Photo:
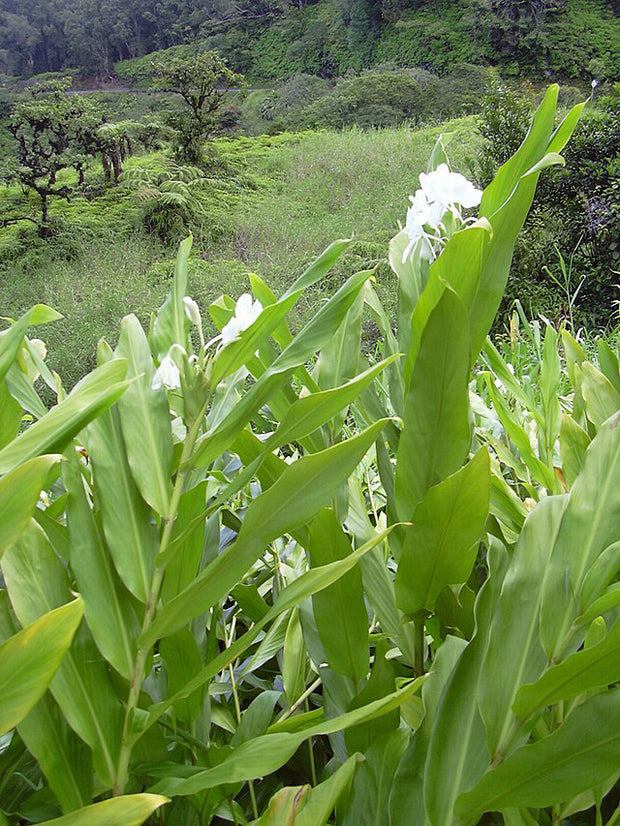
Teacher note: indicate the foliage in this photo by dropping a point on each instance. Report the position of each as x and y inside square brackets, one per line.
[167, 198]
[305, 621]
[576, 210]
[201, 81]
[52, 131]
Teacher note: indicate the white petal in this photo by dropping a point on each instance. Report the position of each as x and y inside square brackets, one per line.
[192, 311]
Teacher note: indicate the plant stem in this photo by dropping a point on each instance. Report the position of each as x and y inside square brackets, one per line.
[313, 779]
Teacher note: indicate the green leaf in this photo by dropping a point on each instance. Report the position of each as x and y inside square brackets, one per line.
[457, 752]
[19, 493]
[128, 810]
[303, 489]
[65, 760]
[601, 398]
[30, 658]
[588, 527]
[368, 801]
[171, 325]
[183, 661]
[515, 655]
[595, 667]
[323, 798]
[10, 415]
[145, 419]
[266, 754]
[602, 571]
[436, 428]
[284, 807]
[126, 518]
[53, 432]
[310, 412]
[441, 547]
[574, 442]
[107, 607]
[341, 606]
[581, 754]
[37, 583]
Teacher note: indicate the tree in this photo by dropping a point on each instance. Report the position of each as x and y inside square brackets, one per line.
[201, 80]
[50, 129]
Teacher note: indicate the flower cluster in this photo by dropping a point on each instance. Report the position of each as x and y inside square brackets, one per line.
[168, 374]
[441, 192]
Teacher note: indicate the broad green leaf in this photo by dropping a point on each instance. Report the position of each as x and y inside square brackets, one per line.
[340, 606]
[310, 412]
[368, 801]
[457, 752]
[323, 798]
[311, 338]
[183, 661]
[65, 760]
[107, 607]
[171, 325]
[145, 419]
[440, 548]
[574, 442]
[406, 804]
[284, 807]
[578, 756]
[601, 398]
[19, 493]
[533, 148]
[125, 516]
[256, 718]
[380, 683]
[303, 489]
[266, 754]
[30, 658]
[10, 415]
[602, 571]
[56, 429]
[128, 810]
[37, 583]
[594, 667]
[515, 655]
[588, 527]
[608, 362]
[436, 427]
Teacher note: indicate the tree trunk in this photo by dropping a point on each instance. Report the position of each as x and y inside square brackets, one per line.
[105, 163]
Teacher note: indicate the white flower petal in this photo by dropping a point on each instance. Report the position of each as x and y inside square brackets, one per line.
[167, 375]
[192, 311]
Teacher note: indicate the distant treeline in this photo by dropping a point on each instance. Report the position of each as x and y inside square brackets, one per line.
[274, 39]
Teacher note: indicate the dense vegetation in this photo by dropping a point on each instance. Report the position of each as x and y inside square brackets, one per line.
[270, 580]
[274, 39]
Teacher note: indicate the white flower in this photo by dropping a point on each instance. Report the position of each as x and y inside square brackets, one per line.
[443, 188]
[418, 215]
[246, 313]
[167, 375]
[594, 84]
[192, 311]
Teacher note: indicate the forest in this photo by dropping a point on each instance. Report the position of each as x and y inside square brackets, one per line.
[310, 413]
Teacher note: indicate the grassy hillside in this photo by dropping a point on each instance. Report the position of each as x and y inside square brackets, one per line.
[273, 206]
